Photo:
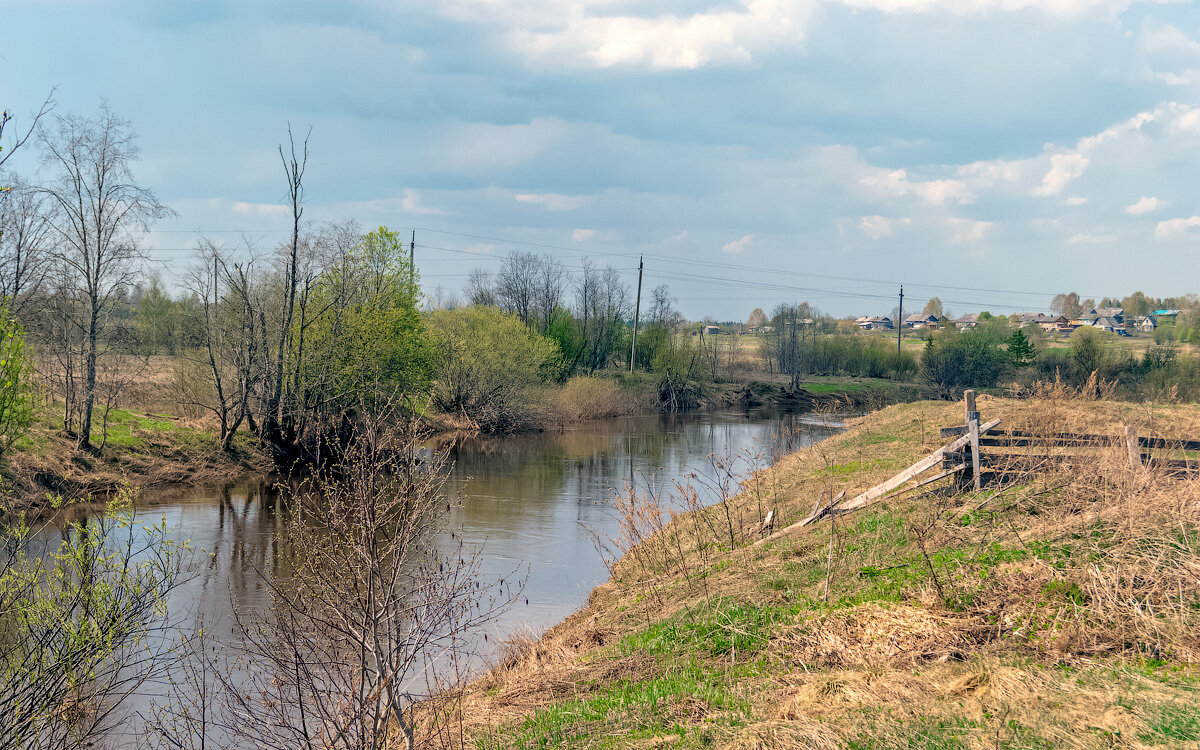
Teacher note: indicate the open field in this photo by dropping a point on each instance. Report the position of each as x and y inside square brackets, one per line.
[1062, 610]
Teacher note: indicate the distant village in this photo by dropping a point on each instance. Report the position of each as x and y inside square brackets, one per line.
[1112, 319]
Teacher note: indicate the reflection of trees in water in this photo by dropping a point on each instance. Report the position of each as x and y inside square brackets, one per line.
[513, 480]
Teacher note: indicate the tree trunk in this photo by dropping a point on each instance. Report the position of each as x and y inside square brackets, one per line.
[89, 383]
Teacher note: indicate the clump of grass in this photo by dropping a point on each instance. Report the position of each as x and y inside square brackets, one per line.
[586, 397]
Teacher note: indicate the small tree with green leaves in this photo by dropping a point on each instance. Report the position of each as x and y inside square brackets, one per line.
[1021, 351]
[16, 407]
[85, 625]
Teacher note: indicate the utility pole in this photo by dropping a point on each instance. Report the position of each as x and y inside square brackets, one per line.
[637, 312]
[412, 254]
[900, 319]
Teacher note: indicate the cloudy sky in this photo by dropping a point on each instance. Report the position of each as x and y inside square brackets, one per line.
[991, 152]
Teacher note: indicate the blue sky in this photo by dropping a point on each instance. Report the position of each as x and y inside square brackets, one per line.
[992, 152]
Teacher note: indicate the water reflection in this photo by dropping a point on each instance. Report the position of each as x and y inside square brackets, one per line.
[527, 499]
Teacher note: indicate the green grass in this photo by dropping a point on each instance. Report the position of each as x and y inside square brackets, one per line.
[125, 428]
[692, 702]
[1168, 723]
[926, 733]
[727, 628]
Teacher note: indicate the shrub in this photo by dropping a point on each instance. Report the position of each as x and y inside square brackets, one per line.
[489, 367]
[963, 360]
[587, 397]
[16, 408]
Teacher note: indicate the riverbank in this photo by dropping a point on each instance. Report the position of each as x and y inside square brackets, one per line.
[153, 450]
[589, 398]
[1062, 610]
[145, 451]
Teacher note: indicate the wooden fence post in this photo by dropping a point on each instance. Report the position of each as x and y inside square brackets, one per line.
[969, 403]
[1135, 450]
[973, 428]
[972, 422]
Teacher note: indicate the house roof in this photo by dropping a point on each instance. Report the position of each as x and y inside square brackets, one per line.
[1110, 312]
[968, 318]
[1166, 312]
[919, 318]
[1104, 321]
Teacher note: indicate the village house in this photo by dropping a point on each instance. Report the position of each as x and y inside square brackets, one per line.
[970, 320]
[1085, 319]
[1145, 324]
[1106, 323]
[875, 323]
[918, 321]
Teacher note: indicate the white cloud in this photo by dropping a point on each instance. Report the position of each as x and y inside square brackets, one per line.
[895, 183]
[1074, 200]
[269, 210]
[1063, 169]
[1090, 239]
[738, 245]
[677, 237]
[551, 201]
[968, 230]
[876, 227]
[1167, 38]
[583, 235]
[1106, 8]
[479, 147]
[1144, 205]
[1181, 78]
[580, 32]
[481, 248]
[410, 201]
[608, 33]
[1172, 228]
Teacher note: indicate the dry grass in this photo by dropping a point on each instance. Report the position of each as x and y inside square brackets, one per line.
[585, 397]
[1059, 610]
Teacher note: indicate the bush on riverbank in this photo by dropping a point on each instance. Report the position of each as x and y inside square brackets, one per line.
[1059, 611]
[585, 397]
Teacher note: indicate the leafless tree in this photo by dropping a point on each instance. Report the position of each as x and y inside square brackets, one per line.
[100, 211]
[662, 308]
[20, 138]
[25, 239]
[551, 280]
[481, 289]
[294, 166]
[373, 606]
[518, 284]
[222, 377]
[603, 304]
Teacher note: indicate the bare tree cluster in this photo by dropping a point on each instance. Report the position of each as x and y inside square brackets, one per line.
[590, 329]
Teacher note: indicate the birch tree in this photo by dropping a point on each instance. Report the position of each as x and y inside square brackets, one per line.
[100, 212]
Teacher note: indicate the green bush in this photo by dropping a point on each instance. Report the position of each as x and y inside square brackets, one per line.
[16, 407]
[856, 355]
[489, 367]
[955, 361]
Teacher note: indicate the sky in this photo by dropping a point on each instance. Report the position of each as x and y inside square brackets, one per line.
[989, 152]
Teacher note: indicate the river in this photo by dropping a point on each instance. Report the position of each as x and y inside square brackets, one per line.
[528, 500]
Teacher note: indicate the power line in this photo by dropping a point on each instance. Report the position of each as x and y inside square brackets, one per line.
[723, 281]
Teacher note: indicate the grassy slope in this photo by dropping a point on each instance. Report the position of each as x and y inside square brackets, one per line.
[1063, 611]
